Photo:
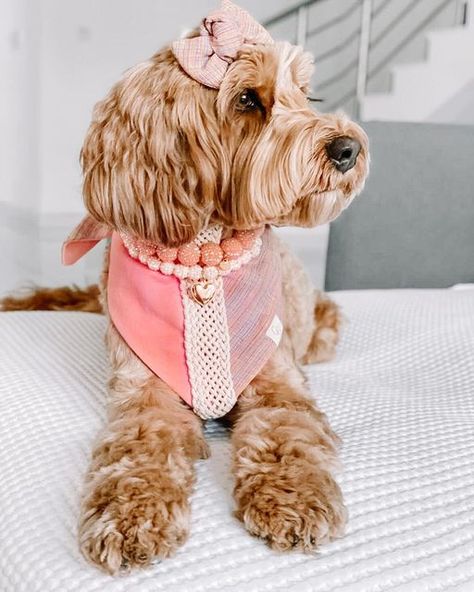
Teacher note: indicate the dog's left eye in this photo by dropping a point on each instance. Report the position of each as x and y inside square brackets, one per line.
[248, 100]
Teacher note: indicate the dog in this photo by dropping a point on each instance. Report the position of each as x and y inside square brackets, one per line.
[212, 137]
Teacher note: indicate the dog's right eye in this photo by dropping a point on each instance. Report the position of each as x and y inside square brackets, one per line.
[248, 100]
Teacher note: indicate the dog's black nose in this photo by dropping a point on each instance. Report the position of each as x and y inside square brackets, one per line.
[343, 152]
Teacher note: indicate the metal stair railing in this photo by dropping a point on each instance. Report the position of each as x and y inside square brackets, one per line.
[409, 37]
[359, 67]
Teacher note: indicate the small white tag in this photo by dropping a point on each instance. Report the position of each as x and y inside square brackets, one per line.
[275, 330]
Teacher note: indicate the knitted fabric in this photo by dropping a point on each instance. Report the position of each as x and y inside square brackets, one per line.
[207, 346]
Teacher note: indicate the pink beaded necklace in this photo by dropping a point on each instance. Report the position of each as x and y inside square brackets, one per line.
[201, 261]
[192, 257]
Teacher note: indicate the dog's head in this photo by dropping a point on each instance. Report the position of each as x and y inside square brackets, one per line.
[166, 153]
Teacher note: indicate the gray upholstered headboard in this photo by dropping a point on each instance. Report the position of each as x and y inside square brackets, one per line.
[413, 225]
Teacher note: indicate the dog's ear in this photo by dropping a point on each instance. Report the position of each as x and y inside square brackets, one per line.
[152, 156]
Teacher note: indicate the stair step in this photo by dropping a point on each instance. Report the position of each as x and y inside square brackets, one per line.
[420, 88]
[462, 39]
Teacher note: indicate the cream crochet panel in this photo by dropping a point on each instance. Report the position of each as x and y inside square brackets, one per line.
[207, 346]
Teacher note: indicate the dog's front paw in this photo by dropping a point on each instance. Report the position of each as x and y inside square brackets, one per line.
[327, 326]
[291, 506]
[130, 519]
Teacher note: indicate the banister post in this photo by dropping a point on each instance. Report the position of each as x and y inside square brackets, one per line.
[302, 25]
[364, 48]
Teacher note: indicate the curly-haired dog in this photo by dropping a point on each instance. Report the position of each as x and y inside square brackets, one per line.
[216, 133]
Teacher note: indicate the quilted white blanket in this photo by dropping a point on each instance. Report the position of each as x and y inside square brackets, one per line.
[400, 393]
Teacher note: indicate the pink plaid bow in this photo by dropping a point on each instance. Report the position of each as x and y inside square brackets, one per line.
[207, 57]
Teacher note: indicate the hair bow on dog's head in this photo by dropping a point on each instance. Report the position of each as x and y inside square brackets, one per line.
[207, 57]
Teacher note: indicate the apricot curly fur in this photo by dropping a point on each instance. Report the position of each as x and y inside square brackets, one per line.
[136, 501]
[63, 298]
[327, 322]
[163, 157]
[283, 453]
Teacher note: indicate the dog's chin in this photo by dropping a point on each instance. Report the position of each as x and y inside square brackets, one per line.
[317, 208]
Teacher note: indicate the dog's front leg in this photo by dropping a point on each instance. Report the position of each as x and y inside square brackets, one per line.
[283, 455]
[136, 503]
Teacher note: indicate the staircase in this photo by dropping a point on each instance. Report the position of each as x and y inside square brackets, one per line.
[398, 60]
[420, 90]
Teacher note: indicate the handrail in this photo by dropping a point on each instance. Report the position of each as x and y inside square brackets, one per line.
[281, 16]
[381, 7]
[336, 20]
[434, 13]
[335, 77]
[397, 20]
[339, 47]
[341, 100]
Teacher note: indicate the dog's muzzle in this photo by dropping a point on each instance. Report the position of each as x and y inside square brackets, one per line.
[343, 152]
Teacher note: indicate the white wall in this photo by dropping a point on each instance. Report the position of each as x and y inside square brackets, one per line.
[19, 106]
[19, 115]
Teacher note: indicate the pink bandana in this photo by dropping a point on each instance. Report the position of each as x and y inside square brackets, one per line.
[206, 353]
[207, 57]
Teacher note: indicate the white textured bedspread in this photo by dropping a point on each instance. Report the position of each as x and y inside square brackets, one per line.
[400, 394]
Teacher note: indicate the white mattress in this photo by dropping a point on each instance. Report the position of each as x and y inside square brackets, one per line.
[401, 395]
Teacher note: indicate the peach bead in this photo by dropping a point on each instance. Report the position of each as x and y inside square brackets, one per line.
[150, 246]
[211, 254]
[188, 254]
[243, 233]
[168, 254]
[147, 249]
[232, 248]
[224, 265]
[246, 237]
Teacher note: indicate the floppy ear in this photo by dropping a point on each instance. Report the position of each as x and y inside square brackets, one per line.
[152, 155]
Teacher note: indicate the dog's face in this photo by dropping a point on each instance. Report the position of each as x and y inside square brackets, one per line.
[165, 155]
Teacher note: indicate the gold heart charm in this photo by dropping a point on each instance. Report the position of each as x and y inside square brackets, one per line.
[202, 292]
